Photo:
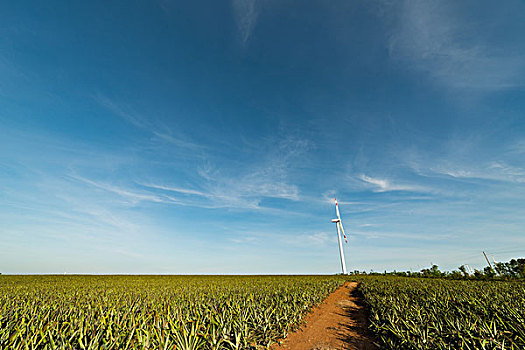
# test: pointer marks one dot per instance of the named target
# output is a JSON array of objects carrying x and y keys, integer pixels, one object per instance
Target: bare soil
[{"x": 340, "y": 322}]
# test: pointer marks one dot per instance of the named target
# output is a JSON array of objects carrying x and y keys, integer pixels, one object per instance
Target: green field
[
  {"x": 154, "y": 312},
  {"x": 249, "y": 312},
  {"x": 414, "y": 313}
]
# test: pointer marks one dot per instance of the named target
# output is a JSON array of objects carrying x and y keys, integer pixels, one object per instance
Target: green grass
[
  {"x": 155, "y": 312},
  {"x": 249, "y": 312},
  {"x": 410, "y": 313}
]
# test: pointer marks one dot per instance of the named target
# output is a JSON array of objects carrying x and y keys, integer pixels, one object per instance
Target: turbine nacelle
[{"x": 336, "y": 220}]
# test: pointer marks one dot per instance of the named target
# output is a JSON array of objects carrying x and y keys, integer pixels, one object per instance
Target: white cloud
[
  {"x": 517, "y": 147},
  {"x": 248, "y": 185},
  {"x": 242, "y": 193},
  {"x": 131, "y": 196},
  {"x": 470, "y": 157},
  {"x": 149, "y": 124},
  {"x": 320, "y": 238},
  {"x": 262, "y": 185},
  {"x": 177, "y": 189},
  {"x": 438, "y": 39},
  {"x": 420, "y": 236},
  {"x": 244, "y": 240},
  {"x": 494, "y": 171},
  {"x": 384, "y": 185},
  {"x": 368, "y": 225},
  {"x": 246, "y": 13},
  {"x": 242, "y": 188},
  {"x": 123, "y": 112}
]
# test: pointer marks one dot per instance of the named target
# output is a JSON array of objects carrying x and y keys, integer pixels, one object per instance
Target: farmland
[
  {"x": 250, "y": 312},
  {"x": 154, "y": 312},
  {"x": 419, "y": 313}
]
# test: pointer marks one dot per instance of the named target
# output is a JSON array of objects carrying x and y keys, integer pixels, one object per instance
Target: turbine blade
[
  {"x": 342, "y": 230},
  {"x": 337, "y": 210}
]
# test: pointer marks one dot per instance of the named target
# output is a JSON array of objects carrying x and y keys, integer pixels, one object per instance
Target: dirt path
[{"x": 338, "y": 323}]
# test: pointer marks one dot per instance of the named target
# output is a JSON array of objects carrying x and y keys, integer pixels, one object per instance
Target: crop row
[
  {"x": 154, "y": 312},
  {"x": 443, "y": 314}
]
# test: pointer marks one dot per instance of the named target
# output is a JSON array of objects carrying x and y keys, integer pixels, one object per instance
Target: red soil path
[{"x": 340, "y": 322}]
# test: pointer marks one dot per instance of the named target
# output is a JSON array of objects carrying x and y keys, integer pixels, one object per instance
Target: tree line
[{"x": 513, "y": 269}]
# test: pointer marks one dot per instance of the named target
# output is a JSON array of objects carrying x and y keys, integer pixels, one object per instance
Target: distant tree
[
  {"x": 463, "y": 270},
  {"x": 478, "y": 274},
  {"x": 515, "y": 268},
  {"x": 455, "y": 275},
  {"x": 434, "y": 271},
  {"x": 500, "y": 268},
  {"x": 518, "y": 267},
  {"x": 489, "y": 272}
]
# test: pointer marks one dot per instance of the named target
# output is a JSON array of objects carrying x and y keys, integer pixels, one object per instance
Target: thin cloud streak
[
  {"x": 398, "y": 235},
  {"x": 494, "y": 171},
  {"x": 176, "y": 189},
  {"x": 231, "y": 193},
  {"x": 384, "y": 185},
  {"x": 154, "y": 127},
  {"x": 246, "y": 13},
  {"x": 132, "y": 197},
  {"x": 245, "y": 196},
  {"x": 434, "y": 38}
]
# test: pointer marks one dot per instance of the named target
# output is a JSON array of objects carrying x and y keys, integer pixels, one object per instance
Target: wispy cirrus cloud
[
  {"x": 149, "y": 124},
  {"x": 247, "y": 186},
  {"x": 470, "y": 157},
  {"x": 385, "y": 185},
  {"x": 268, "y": 177},
  {"x": 244, "y": 239},
  {"x": 130, "y": 196},
  {"x": 320, "y": 238},
  {"x": 421, "y": 236},
  {"x": 493, "y": 171},
  {"x": 442, "y": 40},
  {"x": 176, "y": 189},
  {"x": 244, "y": 189},
  {"x": 246, "y": 13},
  {"x": 244, "y": 192},
  {"x": 121, "y": 111},
  {"x": 518, "y": 147}
]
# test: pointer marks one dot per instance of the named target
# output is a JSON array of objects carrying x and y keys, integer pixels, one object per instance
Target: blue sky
[{"x": 211, "y": 136}]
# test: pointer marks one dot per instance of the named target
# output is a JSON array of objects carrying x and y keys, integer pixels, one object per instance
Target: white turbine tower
[{"x": 340, "y": 230}]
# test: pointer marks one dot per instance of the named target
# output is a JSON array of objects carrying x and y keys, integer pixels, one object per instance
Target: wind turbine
[{"x": 340, "y": 230}]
